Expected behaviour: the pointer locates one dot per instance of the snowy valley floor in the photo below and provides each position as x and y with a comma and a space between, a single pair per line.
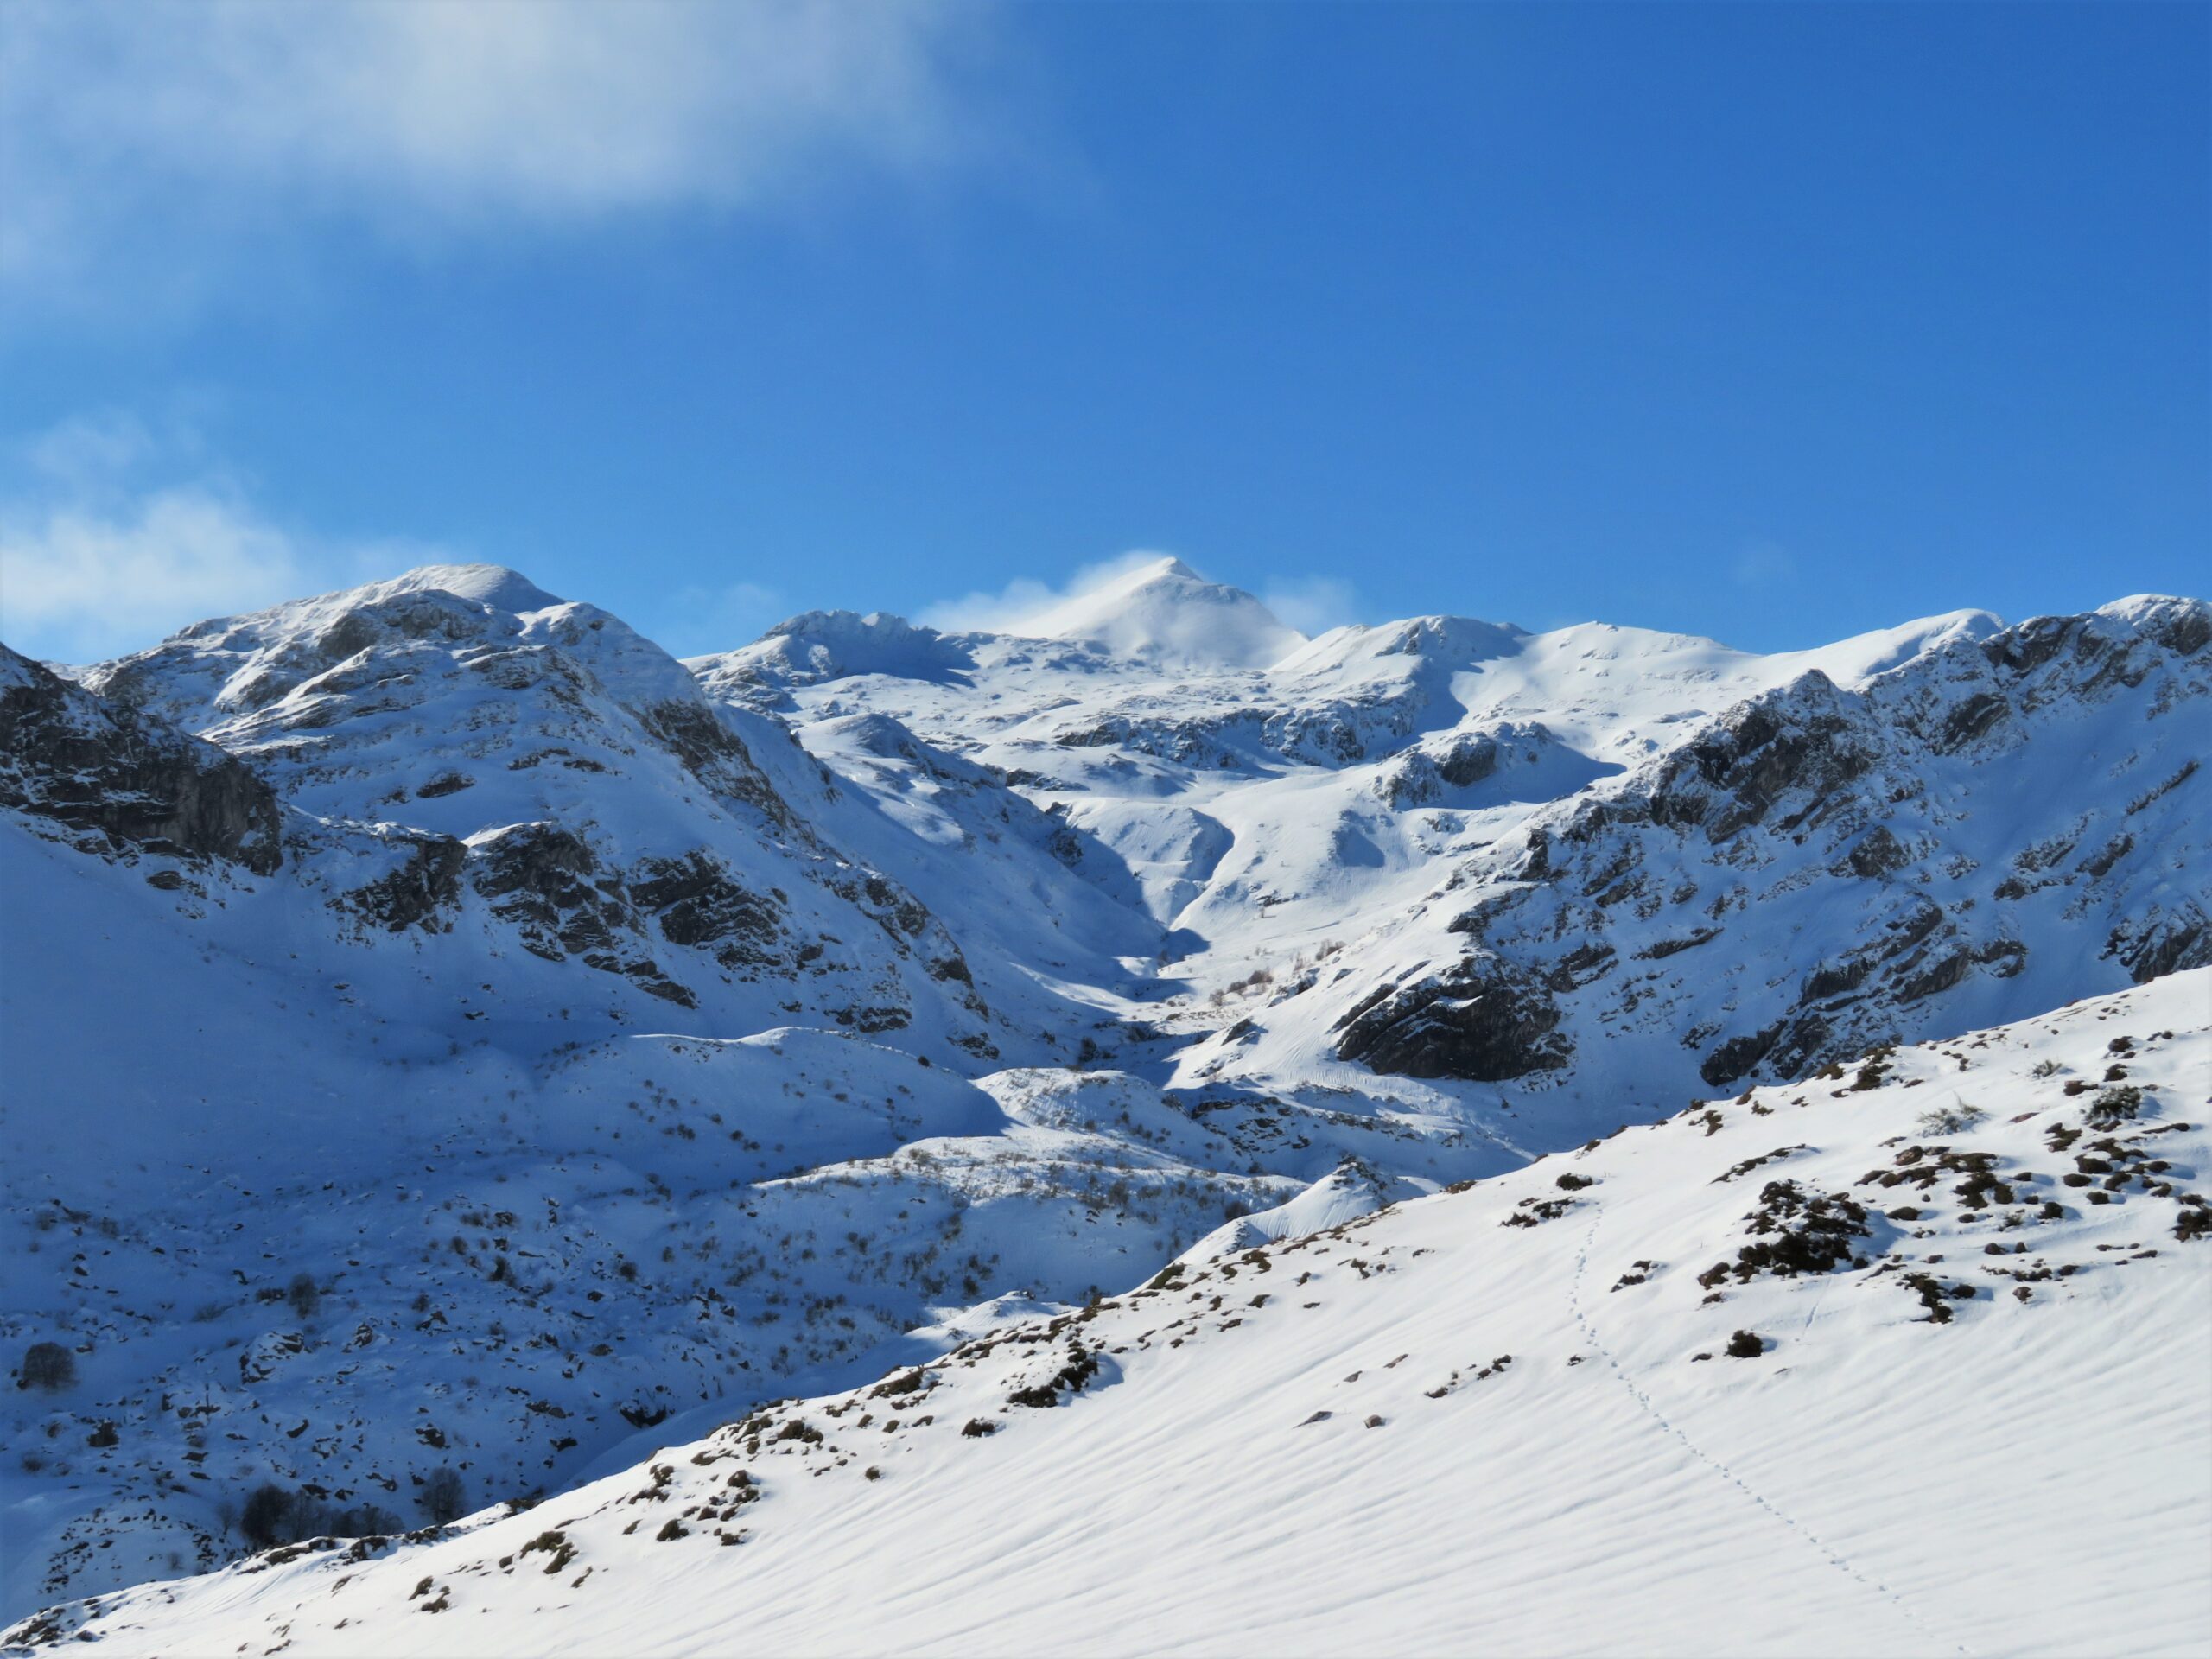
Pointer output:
1504, 1419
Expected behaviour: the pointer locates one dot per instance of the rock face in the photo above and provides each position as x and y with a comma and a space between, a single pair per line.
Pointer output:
1874, 857
420, 893
547, 882
1478, 1019
87, 763
697, 903
474, 765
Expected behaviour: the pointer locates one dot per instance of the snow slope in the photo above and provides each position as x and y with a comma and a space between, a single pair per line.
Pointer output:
613, 1044
1911, 1358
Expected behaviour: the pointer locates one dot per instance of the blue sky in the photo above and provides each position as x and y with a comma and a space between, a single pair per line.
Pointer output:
1771, 322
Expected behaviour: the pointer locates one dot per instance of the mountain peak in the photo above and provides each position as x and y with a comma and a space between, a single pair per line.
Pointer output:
1164, 610
483, 584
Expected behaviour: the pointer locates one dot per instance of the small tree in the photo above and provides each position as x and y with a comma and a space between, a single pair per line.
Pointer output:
266, 1521
47, 1365
303, 1295
442, 1497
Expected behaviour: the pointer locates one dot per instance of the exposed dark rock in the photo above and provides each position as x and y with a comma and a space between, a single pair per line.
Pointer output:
2159, 792
546, 880
1795, 740
1419, 777
2025, 648
1479, 1020
2183, 626
1970, 719
872, 1019
419, 892
91, 764
1665, 948
1475, 920
1468, 761
1736, 1057
2099, 864
1878, 854
1578, 968
698, 904
1834, 979
1946, 971
894, 909
2162, 943
714, 754
1785, 1047
1537, 866
539, 877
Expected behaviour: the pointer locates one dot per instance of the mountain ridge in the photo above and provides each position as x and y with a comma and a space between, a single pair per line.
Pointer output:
799, 1011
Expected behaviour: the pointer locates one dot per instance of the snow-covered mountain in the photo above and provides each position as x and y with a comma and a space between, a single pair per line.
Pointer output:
1915, 1357
454, 1049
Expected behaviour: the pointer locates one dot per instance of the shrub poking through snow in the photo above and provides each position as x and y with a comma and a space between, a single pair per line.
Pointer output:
2115, 1106
1797, 1232
1952, 1120
46, 1366
1073, 1378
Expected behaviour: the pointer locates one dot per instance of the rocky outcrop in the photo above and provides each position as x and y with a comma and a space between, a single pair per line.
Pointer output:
1478, 1019
1847, 866
2167, 940
127, 777
1417, 778
548, 882
1799, 743
717, 757
420, 893
699, 904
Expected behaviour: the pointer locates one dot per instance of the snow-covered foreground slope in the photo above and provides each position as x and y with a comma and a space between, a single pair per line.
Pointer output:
1912, 1357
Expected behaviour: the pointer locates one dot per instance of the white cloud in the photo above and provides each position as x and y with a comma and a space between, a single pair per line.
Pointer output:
1155, 604
1312, 604
97, 557
181, 123
1024, 600
74, 583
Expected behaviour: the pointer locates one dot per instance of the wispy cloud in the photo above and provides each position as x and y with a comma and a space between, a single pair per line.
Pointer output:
1025, 599
1310, 604
186, 124
114, 533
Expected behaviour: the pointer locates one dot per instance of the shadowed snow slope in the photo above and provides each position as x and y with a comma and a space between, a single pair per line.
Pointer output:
1868, 1364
